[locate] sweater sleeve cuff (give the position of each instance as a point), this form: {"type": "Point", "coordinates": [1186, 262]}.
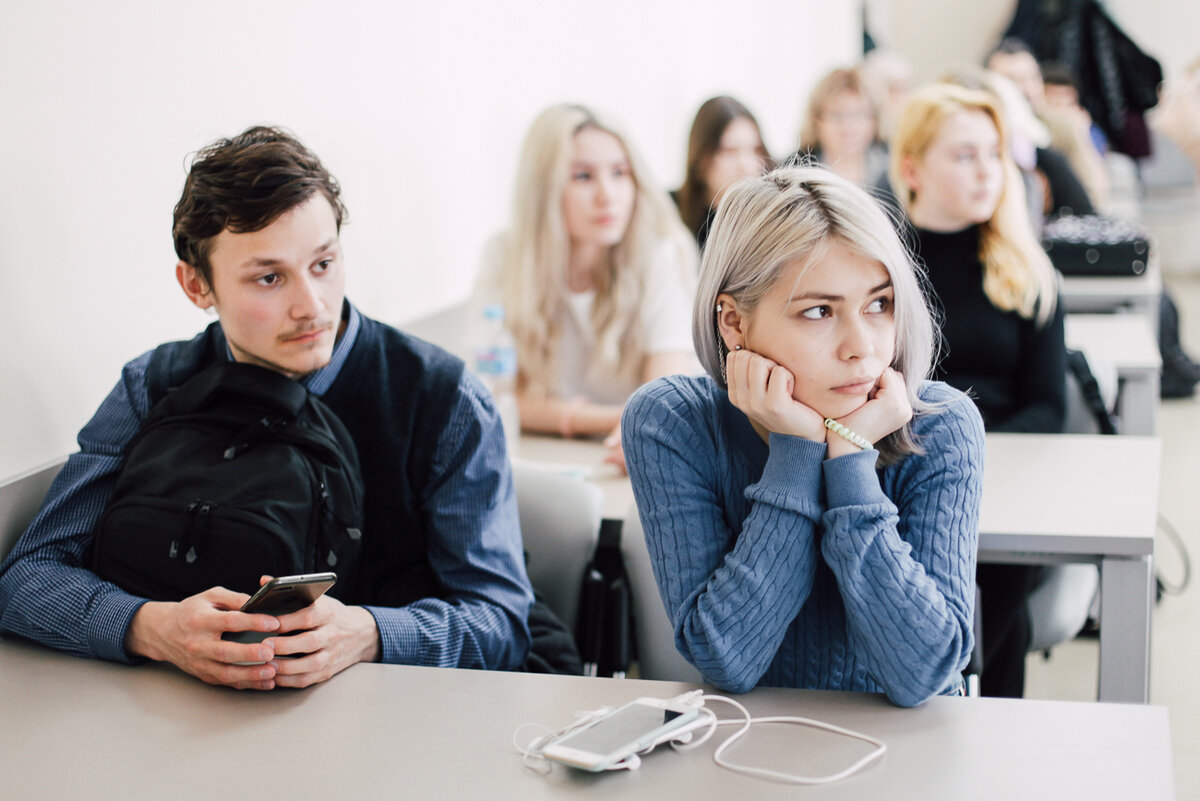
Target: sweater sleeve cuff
{"type": "Point", "coordinates": [789, 458]}
{"type": "Point", "coordinates": [851, 480]}
{"type": "Point", "coordinates": [109, 624]}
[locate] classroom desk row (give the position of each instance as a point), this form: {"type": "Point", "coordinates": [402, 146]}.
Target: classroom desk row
{"type": "Point", "coordinates": [76, 728]}
{"type": "Point", "coordinates": [1047, 499]}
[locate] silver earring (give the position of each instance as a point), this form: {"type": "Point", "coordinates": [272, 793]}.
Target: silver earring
{"type": "Point", "coordinates": [737, 347]}
{"type": "Point", "coordinates": [719, 306]}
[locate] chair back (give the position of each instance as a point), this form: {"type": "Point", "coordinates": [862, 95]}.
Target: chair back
{"type": "Point", "coordinates": [560, 520]}
{"type": "Point", "coordinates": [658, 658]}
{"type": "Point", "coordinates": [20, 498]}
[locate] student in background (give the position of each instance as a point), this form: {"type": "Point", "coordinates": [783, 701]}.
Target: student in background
{"type": "Point", "coordinates": [1002, 322]}
{"type": "Point", "coordinates": [811, 505]}
{"type": "Point", "coordinates": [725, 145]}
{"type": "Point", "coordinates": [840, 128]}
{"type": "Point", "coordinates": [596, 275]}
{"type": "Point", "coordinates": [1069, 134]}
{"type": "Point", "coordinates": [891, 76]}
{"type": "Point", "coordinates": [1177, 115]}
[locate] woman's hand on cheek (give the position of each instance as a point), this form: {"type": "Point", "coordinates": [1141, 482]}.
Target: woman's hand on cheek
{"type": "Point", "coordinates": [763, 390]}
{"type": "Point", "coordinates": [884, 413]}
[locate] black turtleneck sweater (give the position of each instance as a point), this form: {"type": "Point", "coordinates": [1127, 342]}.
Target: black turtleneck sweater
{"type": "Point", "coordinates": [1015, 371]}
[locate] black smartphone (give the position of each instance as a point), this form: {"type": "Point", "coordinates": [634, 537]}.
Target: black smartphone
{"type": "Point", "coordinates": [282, 596]}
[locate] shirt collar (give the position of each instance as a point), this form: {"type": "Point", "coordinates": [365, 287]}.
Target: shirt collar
{"type": "Point", "coordinates": [319, 381]}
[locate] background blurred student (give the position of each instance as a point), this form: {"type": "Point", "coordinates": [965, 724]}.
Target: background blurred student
{"type": "Point", "coordinates": [1051, 186]}
{"type": "Point", "coordinates": [890, 75]}
{"type": "Point", "coordinates": [1070, 133]}
{"type": "Point", "coordinates": [811, 505]}
{"type": "Point", "coordinates": [725, 145]}
{"type": "Point", "coordinates": [1177, 115]}
{"type": "Point", "coordinates": [840, 127]}
{"type": "Point", "coordinates": [1002, 323]}
{"type": "Point", "coordinates": [596, 274]}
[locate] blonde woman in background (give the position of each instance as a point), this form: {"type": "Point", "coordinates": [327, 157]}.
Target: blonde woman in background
{"type": "Point", "coordinates": [596, 275]}
{"type": "Point", "coordinates": [1001, 322]}
{"type": "Point", "coordinates": [840, 128]}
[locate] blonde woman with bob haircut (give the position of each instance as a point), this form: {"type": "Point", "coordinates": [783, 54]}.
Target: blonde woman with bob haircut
{"type": "Point", "coordinates": [596, 274]}
{"type": "Point", "coordinates": [811, 504]}
{"type": "Point", "coordinates": [1002, 323]}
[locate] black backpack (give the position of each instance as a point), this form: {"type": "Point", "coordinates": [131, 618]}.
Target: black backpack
{"type": "Point", "coordinates": [239, 472]}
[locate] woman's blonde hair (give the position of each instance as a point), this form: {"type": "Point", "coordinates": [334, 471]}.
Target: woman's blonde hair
{"type": "Point", "coordinates": [1017, 274]}
{"type": "Point", "coordinates": [846, 79]}
{"type": "Point", "coordinates": [537, 247]}
{"type": "Point", "coordinates": [794, 214]}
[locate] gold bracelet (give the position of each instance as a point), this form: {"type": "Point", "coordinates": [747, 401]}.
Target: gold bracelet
{"type": "Point", "coordinates": [845, 433]}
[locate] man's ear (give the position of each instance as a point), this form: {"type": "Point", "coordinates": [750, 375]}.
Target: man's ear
{"type": "Point", "coordinates": [731, 322]}
{"type": "Point", "coordinates": [194, 285]}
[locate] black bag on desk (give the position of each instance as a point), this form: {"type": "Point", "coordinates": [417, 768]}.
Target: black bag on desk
{"type": "Point", "coordinates": [239, 472]}
{"type": "Point", "coordinates": [1092, 245]}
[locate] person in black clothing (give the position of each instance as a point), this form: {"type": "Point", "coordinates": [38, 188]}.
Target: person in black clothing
{"type": "Point", "coordinates": [725, 145]}
{"type": "Point", "coordinates": [1002, 323]}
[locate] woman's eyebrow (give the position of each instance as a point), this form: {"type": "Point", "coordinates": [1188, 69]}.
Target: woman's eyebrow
{"type": "Point", "coordinates": [818, 295]}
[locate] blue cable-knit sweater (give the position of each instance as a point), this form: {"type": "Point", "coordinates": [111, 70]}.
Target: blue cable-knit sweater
{"type": "Point", "coordinates": [781, 568]}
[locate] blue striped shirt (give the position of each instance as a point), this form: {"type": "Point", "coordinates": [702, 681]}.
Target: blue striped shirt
{"type": "Point", "coordinates": [47, 593]}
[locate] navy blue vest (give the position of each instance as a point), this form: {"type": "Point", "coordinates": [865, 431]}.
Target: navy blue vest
{"type": "Point", "coordinates": [394, 393]}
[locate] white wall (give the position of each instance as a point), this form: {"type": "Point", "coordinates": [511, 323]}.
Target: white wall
{"type": "Point", "coordinates": [418, 108]}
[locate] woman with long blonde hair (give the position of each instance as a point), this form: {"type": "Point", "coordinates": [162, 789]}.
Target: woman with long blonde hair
{"type": "Point", "coordinates": [1001, 320]}
{"type": "Point", "coordinates": [596, 275]}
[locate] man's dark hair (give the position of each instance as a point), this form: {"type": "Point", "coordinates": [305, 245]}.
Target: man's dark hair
{"type": "Point", "coordinates": [1057, 74]}
{"type": "Point", "coordinates": [1009, 46]}
{"type": "Point", "coordinates": [244, 184]}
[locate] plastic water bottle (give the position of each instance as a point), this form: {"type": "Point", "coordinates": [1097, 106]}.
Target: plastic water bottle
{"type": "Point", "coordinates": [496, 366]}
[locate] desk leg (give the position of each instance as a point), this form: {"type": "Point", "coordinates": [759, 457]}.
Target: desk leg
{"type": "Point", "coordinates": [1126, 587]}
{"type": "Point", "coordinates": [1139, 405]}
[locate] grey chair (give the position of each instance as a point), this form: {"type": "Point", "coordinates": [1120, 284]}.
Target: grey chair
{"type": "Point", "coordinates": [658, 658]}
{"type": "Point", "coordinates": [560, 520]}
{"type": "Point", "coordinates": [20, 498]}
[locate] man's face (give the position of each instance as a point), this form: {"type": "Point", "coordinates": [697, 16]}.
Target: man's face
{"type": "Point", "coordinates": [1023, 70]}
{"type": "Point", "coordinates": [278, 291]}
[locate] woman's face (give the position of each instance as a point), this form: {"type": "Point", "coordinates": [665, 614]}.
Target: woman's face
{"type": "Point", "coordinates": [832, 328]}
{"type": "Point", "coordinates": [598, 201]}
{"type": "Point", "coordinates": [845, 124]}
{"type": "Point", "coordinates": [737, 157]}
{"type": "Point", "coordinates": [958, 181]}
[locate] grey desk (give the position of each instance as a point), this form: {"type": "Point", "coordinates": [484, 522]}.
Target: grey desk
{"type": "Point", "coordinates": [1128, 343]}
{"type": "Point", "coordinates": [1082, 498]}
{"type": "Point", "coordinates": [75, 728]}
{"type": "Point", "coordinates": [1047, 499]}
{"type": "Point", "coordinates": [1139, 293]}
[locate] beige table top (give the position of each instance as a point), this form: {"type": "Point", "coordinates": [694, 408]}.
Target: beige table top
{"type": "Point", "coordinates": [1052, 493]}
{"type": "Point", "coordinates": [1125, 340]}
{"type": "Point", "coordinates": [76, 728]}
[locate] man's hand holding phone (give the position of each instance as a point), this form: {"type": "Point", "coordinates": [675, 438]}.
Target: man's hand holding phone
{"type": "Point", "coordinates": [188, 634]}
{"type": "Point", "coordinates": [321, 640]}
{"type": "Point", "coordinates": [232, 639]}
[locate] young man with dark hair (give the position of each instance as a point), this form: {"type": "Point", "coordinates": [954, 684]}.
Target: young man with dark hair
{"type": "Point", "coordinates": [441, 578]}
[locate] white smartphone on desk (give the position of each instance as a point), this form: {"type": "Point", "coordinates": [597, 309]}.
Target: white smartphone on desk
{"type": "Point", "coordinates": [623, 731]}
